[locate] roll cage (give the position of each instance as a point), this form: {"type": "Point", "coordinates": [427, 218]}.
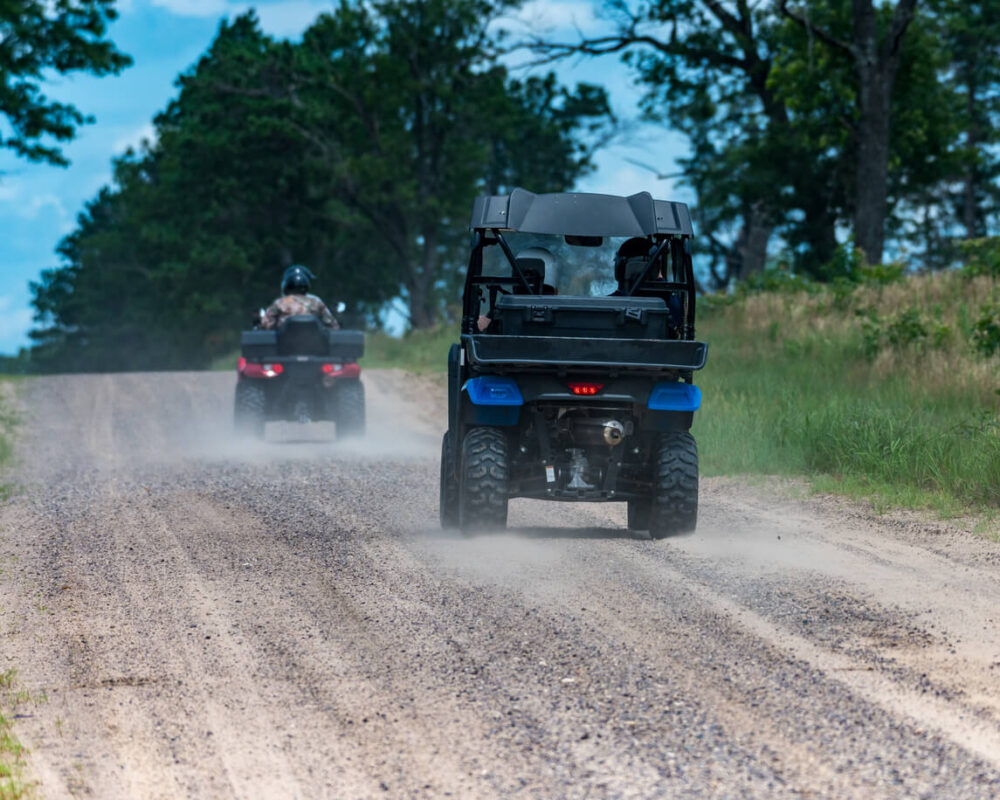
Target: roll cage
{"type": "Point", "coordinates": [582, 216]}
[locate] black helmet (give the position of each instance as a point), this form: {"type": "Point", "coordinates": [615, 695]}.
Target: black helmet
{"type": "Point", "coordinates": [296, 280]}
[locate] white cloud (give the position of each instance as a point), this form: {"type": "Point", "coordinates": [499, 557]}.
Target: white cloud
{"type": "Point", "coordinates": [555, 17]}
{"type": "Point", "coordinates": [291, 18]}
{"type": "Point", "coordinates": [28, 205]}
{"type": "Point", "coordinates": [134, 138]}
{"type": "Point", "coordinates": [193, 8]}
{"type": "Point", "coordinates": [281, 18]}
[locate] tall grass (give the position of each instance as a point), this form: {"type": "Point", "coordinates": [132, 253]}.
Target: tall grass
{"type": "Point", "coordinates": [417, 351]}
{"type": "Point", "coordinates": [793, 386]}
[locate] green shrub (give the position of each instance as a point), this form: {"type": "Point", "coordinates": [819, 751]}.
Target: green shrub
{"type": "Point", "coordinates": [908, 328]}
{"type": "Point", "coordinates": [776, 279]}
{"type": "Point", "coordinates": [981, 256]}
{"type": "Point", "coordinates": [986, 330]}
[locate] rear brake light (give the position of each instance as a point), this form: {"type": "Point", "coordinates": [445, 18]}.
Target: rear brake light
{"type": "Point", "coordinates": [241, 364]}
{"type": "Point", "coordinates": [262, 370]}
{"type": "Point", "coordinates": [585, 388]}
{"type": "Point", "coordinates": [341, 370]}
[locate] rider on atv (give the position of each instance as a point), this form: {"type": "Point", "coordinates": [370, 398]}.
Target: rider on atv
{"type": "Point", "coordinates": [296, 300]}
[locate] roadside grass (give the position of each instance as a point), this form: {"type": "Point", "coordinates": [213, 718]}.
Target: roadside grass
{"type": "Point", "coordinates": [224, 363]}
{"type": "Point", "coordinates": [415, 351]}
{"type": "Point", "coordinates": [13, 785]}
{"type": "Point", "coordinates": [810, 383]}
{"type": "Point", "coordinates": [8, 424]}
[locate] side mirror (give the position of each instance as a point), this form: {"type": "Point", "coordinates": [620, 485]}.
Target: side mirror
{"type": "Point", "coordinates": [341, 307]}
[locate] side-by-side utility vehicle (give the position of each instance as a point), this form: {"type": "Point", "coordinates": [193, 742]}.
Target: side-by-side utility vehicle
{"type": "Point", "coordinates": [301, 372]}
{"type": "Point", "coordinates": [573, 379]}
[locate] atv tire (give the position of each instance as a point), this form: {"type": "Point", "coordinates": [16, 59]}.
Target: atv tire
{"type": "Point", "coordinates": [448, 495]}
{"type": "Point", "coordinates": [638, 514]}
{"type": "Point", "coordinates": [674, 509]}
{"type": "Point", "coordinates": [349, 409]}
{"type": "Point", "coordinates": [249, 409]}
{"type": "Point", "coordinates": [482, 496]}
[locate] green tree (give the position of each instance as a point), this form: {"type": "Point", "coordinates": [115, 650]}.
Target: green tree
{"type": "Point", "coordinates": [782, 121]}
{"type": "Point", "coordinates": [356, 151]}
{"type": "Point", "coordinates": [408, 115]}
{"type": "Point", "coordinates": [63, 36]}
{"type": "Point", "coordinates": [970, 30]}
{"type": "Point", "coordinates": [875, 50]}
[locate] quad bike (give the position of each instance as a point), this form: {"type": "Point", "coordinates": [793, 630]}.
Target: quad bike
{"type": "Point", "coordinates": [558, 391]}
{"type": "Point", "coordinates": [301, 372]}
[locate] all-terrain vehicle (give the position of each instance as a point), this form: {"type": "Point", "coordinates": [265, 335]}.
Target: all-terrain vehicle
{"type": "Point", "coordinates": [301, 372]}
{"type": "Point", "coordinates": [573, 379]}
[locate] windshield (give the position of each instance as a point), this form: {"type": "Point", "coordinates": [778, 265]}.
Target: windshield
{"type": "Point", "coordinates": [579, 271]}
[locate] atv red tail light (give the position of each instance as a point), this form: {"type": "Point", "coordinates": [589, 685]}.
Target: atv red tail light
{"type": "Point", "coordinates": [341, 370]}
{"type": "Point", "coordinates": [585, 389]}
{"type": "Point", "coordinates": [251, 370]}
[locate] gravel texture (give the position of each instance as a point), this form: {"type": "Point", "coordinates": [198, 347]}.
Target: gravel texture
{"type": "Point", "coordinates": [210, 619]}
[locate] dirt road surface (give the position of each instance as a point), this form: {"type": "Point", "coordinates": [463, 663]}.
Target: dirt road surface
{"type": "Point", "coordinates": [213, 620]}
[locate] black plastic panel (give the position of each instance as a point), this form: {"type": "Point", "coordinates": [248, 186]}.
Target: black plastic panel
{"type": "Point", "coordinates": [574, 352]}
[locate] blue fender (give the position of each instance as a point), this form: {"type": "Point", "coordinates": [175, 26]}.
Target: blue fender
{"type": "Point", "coordinates": [496, 400]}
{"type": "Point", "coordinates": [672, 396]}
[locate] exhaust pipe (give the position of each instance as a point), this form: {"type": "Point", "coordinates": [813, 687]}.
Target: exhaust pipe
{"type": "Point", "coordinates": [614, 433]}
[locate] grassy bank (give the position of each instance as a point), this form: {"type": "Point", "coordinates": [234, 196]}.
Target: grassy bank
{"type": "Point", "coordinates": [13, 785]}
{"type": "Point", "coordinates": [8, 424]}
{"type": "Point", "coordinates": [881, 391]}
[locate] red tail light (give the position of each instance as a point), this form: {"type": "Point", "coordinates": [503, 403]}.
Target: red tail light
{"type": "Point", "coordinates": [241, 364]}
{"type": "Point", "coordinates": [586, 389]}
{"type": "Point", "coordinates": [251, 370]}
{"type": "Point", "coordinates": [341, 370]}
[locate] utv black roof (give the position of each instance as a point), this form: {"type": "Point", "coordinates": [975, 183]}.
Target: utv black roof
{"type": "Point", "coordinates": [580, 214]}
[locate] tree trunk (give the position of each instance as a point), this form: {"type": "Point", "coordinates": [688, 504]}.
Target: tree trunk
{"type": "Point", "coordinates": [970, 206]}
{"type": "Point", "coordinates": [872, 196]}
{"type": "Point", "coordinates": [876, 62]}
{"type": "Point", "coordinates": [751, 245]}
{"type": "Point", "coordinates": [820, 230]}
{"type": "Point", "coordinates": [423, 310]}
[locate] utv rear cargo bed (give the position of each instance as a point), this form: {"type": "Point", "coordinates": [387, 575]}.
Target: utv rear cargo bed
{"type": "Point", "coordinates": [545, 352]}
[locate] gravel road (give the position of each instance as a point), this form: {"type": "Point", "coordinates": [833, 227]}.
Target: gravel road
{"type": "Point", "coordinates": [214, 620]}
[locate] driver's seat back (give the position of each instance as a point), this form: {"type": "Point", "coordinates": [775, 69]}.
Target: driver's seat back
{"type": "Point", "coordinates": [302, 335]}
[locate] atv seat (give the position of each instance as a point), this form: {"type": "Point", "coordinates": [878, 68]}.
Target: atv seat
{"type": "Point", "coordinates": [302, 335]}
{"type": "Point", "coordinates": [604, 317]}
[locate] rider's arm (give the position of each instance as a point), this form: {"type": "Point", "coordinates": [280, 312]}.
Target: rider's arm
{"type": "Point", "coordinates": [327, 318]}
{"type": "Point", "coordinates": [271, 317]}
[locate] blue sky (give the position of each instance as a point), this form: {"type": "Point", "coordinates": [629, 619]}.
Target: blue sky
{"type": "Point", "coordinates": [39, 203]}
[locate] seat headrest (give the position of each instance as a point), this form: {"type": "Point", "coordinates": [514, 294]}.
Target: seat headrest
{"type": "Point", "coordinates": [534, 272]}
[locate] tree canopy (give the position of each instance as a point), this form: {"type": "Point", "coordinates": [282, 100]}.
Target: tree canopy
{"type": "Point", "coordinates": [808, 118]}
{"type": "Point", "coordinates": [356, 151]}
{"type": "Point", "coordinates": [62, 36]}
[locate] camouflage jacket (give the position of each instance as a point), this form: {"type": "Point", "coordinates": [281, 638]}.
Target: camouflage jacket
{"type": "Point", "coordinates": [294, 304]}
